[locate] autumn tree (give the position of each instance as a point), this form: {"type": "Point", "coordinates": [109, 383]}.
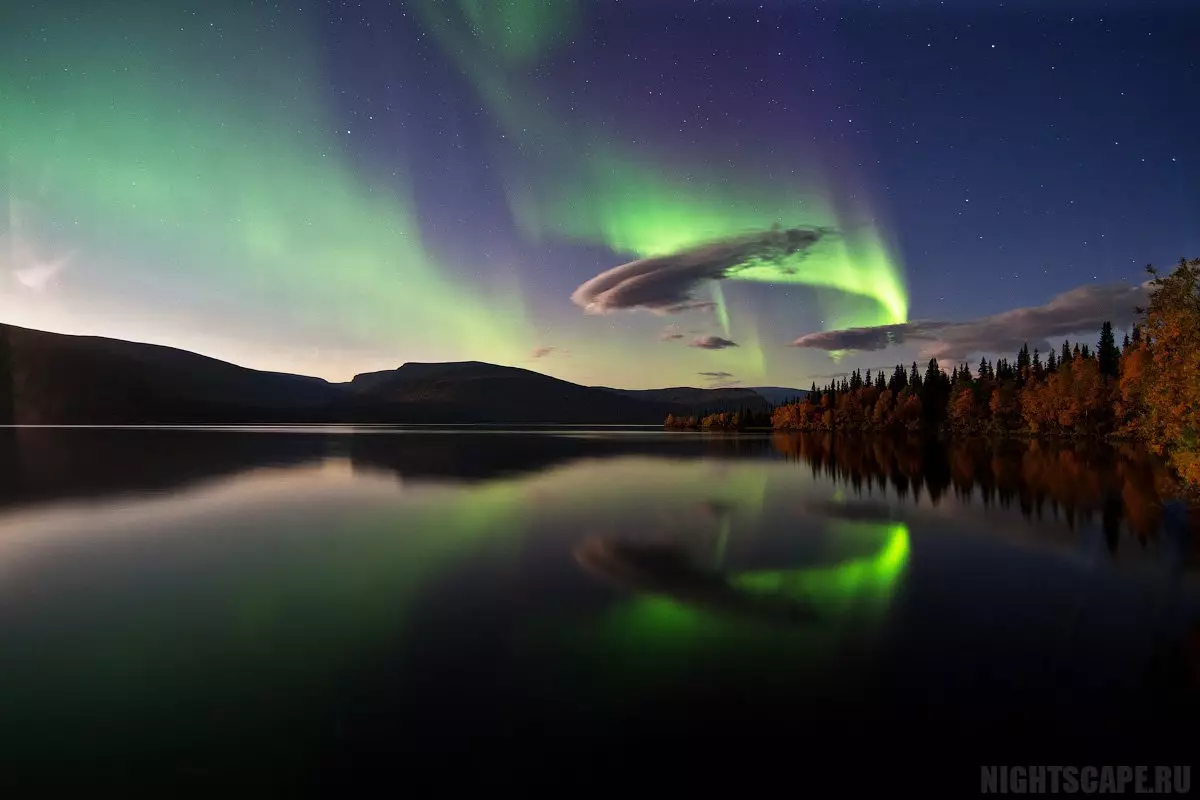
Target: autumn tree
{"type": "Point", "coordinates": [965, 414]}
{"type": "Point", "coordinates": [909, 414]}
{"type": "Point", "coordinates": [1005, 407]}
{"type": "Point", "coordinates": [883, 409]}
{"type": "Point", "coordinates": [1170, 386]}
{"type": "Point", "coordinates": [1130, 405]}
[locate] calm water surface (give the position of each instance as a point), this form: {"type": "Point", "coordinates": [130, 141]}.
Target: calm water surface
{"type": "Point", "coordinates": [294, 610]}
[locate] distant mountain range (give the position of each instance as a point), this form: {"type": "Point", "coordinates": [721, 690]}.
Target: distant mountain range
{"type": "Point", "coordinates": [55, 379]}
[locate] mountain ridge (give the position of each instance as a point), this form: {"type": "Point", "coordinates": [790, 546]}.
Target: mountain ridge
{"type": "Point", "coordinates": [61, 379]}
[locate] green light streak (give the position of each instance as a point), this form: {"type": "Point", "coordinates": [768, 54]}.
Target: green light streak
{"type": "Point", "coordinates": [722, 310]}
{"type": "Point", "coordinates": [873, 577]}
{"type": "Point", "coordinates": [726, 526]}
{"type": "Point", "coordinates": [636, 205]}
{"type": "Point", "coordinates": [755, 366]}
{"type": "Point", "coordinates": [519, 31]}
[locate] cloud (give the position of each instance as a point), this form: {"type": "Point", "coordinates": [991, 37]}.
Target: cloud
{"type": "Point", "coordinates": [876, 337]}
{"type": "Point", "coordinates": [691, 305]}
{"type": "Point", "coordinates": [1084, 308]}
{"type": "Point", "coordinates": [27, 262]}
{"type": "Point", "coordinates": [712, 343]}
{"type": "Point", "coordinates": [38, 276]}
{"type": "Point", "coordinates": [670, 333]}
{"type": "Point", "coordinates": [720, 380]}
{"type": "Point", "coordinates": [542, 352]}
{"type": "Point", "coordinates": [664, 284]}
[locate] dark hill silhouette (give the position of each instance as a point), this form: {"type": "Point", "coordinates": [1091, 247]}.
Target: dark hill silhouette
{"type": "Point", "coordinates": [55, 379]}
{"type": "Point", "coordinates": [777, 395]}
{"type": "Point", "coordinates": [723, 399]}
{"type": "Point", "coordinates": [474, 392]}
{"type": "Point", "coordinates": [60, 379]}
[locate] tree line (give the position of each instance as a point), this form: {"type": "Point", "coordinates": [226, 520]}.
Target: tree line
{"type": "Point", "coordinates": [1147, 388]}
{"type": "Point", "coordinates": [727, 420]}
{"type": "Point", "coordinates": [1071, 392]}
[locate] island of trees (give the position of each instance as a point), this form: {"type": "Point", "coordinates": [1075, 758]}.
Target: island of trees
{"type": "Point", "coordinates": [1146, 388]}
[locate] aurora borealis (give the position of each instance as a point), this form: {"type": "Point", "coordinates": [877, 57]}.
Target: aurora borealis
{"type": "Point", "coordinates": [333, 188]}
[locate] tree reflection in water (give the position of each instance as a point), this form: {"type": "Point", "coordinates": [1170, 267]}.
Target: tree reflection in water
{"type": "Point", "coordinates": [1074, 482]}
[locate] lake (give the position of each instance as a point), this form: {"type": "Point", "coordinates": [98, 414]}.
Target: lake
{"type": "Point", "coordinates": [299, 610]}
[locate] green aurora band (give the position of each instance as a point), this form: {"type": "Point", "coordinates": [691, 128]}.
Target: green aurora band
{"type": "Point", "coordinates": [177, 132]}
{"type": "Point", "coordinates": [631, 202]}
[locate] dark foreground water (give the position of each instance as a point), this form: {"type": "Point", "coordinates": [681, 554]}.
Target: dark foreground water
{"type": "Point", "coordinates": [294, 612]}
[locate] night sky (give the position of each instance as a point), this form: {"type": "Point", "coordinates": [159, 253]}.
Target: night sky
{"type": "Point", "coordinates": [617, 193]}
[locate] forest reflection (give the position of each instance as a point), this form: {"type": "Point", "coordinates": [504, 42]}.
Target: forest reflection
{"type": "Point", "coordinates": [1075, 483]}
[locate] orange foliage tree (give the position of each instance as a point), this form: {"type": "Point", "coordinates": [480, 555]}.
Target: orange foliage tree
{"type": "Point", "coordinates": [1166, 391]}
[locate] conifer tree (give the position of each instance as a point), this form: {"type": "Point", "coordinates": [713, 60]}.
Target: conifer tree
{"type": "Point", "coordinates": [1107, 352]}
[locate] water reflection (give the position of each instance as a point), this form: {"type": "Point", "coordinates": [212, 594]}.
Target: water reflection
{"type": "Point", "coordinates": [789, 596]}
{"type": "Point", "coordinates": [39, 464]}
{"type": "Point", "coordinates": [282, 602]}
{"type": "Point", "coordinates": [1120, 485]}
